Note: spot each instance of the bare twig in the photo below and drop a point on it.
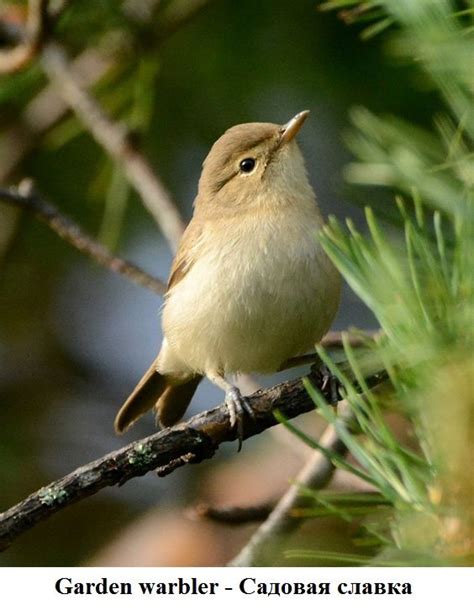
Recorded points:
(115, 139)
(25, 199)
(43, 112)
(192, 441)
(27, 48)
(232, 515)
(315, 474)
(89, 67)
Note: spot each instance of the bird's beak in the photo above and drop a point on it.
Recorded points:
(290, 129)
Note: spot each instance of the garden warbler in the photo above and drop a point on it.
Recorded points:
(250, 286)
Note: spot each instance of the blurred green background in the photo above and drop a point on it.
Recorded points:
(74, 339)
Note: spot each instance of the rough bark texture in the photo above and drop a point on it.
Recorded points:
(189, 442)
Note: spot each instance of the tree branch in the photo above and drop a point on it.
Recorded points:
(116, 141)
(43, 112)
(47, 108)
(30, 41)
(278, 516)
(232, 515)
(23, 198)
(189, 442)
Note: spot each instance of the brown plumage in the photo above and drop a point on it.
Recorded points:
(250, 286)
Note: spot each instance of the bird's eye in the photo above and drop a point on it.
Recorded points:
(247, 165)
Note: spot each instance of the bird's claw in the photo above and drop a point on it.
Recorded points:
(332, 382)
(237, 405)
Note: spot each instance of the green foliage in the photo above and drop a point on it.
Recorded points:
(420, 286)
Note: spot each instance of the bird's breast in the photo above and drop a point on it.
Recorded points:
(254, 296)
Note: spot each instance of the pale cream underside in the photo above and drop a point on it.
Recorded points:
(259, 293)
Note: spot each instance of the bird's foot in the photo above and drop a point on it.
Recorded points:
(331, 384)
(238, 405)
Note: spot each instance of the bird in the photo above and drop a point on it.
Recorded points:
(250, 287)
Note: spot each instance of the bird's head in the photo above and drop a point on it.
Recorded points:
(254, 165)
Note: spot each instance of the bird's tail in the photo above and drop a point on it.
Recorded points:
(169, 397)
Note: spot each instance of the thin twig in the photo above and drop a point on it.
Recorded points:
(47, 108)
(189, 442)
(315, 474)
(29, 45)
(232, 515)
(116, 140)
(43, 112)
(75, 236)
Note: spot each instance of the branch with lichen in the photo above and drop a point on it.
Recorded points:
(190, 442)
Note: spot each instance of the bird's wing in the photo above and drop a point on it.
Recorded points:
(186, 254)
